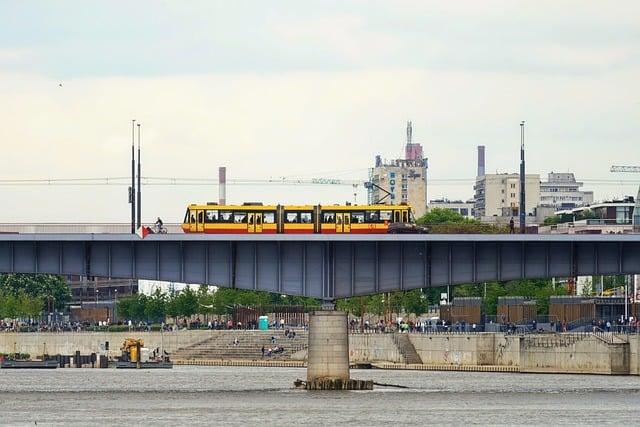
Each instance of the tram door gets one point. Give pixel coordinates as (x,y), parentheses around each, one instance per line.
(405,216)
(251,225)
(254,222)
(257,217)
(192,221)
(396,216)
(200,223)
(343,222)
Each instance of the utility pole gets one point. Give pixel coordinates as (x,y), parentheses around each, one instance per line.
(523,208)
(132,189)
(139,198)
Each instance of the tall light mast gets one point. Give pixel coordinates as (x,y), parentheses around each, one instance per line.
(523,208)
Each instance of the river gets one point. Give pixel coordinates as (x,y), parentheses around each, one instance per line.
(266,397)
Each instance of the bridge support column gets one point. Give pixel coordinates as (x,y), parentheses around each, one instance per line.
(328,353)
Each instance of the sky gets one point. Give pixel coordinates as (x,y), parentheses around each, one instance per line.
(309,89)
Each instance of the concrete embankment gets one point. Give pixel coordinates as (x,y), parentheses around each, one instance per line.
(68,343)
(553,353)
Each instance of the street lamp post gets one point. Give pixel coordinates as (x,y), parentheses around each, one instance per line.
(115,307)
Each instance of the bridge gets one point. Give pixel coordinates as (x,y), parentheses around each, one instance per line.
(321,266)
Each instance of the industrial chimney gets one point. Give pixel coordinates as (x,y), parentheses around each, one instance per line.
(480,160)
(222,185)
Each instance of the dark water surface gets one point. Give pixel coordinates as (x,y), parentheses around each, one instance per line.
(265,396)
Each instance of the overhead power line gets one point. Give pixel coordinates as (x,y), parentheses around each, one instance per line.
(196,181)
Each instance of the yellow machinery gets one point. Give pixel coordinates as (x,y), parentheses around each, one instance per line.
(131,348)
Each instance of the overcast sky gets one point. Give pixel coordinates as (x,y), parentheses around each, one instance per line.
(312,89)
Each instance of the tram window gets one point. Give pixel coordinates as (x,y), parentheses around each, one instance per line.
(405,216)
(226,216)
(305,217)
(200,217)
(258,219)
(357,217)
(385,216)
(269,217)
(328,217)
(211,216)
(372,216)
(240,217)
(186,217)
(291,217)
(193,218)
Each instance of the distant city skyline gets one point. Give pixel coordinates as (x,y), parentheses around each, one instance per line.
(306,89)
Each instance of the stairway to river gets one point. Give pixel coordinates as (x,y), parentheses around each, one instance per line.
(220,346)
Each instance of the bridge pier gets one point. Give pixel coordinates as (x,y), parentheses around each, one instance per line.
(328,353)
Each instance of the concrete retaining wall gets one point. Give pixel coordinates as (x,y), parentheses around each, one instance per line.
(373,348)
(588,355)
(634,354)
(543,353)
(89,342)
(456,349)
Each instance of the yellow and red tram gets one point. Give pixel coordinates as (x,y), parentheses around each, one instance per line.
(289,219)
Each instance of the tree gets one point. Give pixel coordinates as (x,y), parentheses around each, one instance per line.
(155,306)
(186,302)
(552,220)
(38,285)
(446,221)
(441,216)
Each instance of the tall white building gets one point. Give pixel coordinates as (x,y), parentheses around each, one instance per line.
(402,180)
(562,191)
(498,195)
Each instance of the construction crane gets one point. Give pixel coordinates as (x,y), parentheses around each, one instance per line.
(636,208)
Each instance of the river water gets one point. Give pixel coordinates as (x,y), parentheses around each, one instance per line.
(266,397)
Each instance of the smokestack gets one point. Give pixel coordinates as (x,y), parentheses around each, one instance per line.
(480,160)
(222,185)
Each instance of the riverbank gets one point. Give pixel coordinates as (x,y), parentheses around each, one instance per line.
(607,354)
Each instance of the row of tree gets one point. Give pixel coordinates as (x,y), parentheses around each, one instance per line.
(200,301)
(28,295)
(20,305)
(446,221)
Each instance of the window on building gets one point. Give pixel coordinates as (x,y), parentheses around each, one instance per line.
(464,211)
(622,215)
(392,175)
